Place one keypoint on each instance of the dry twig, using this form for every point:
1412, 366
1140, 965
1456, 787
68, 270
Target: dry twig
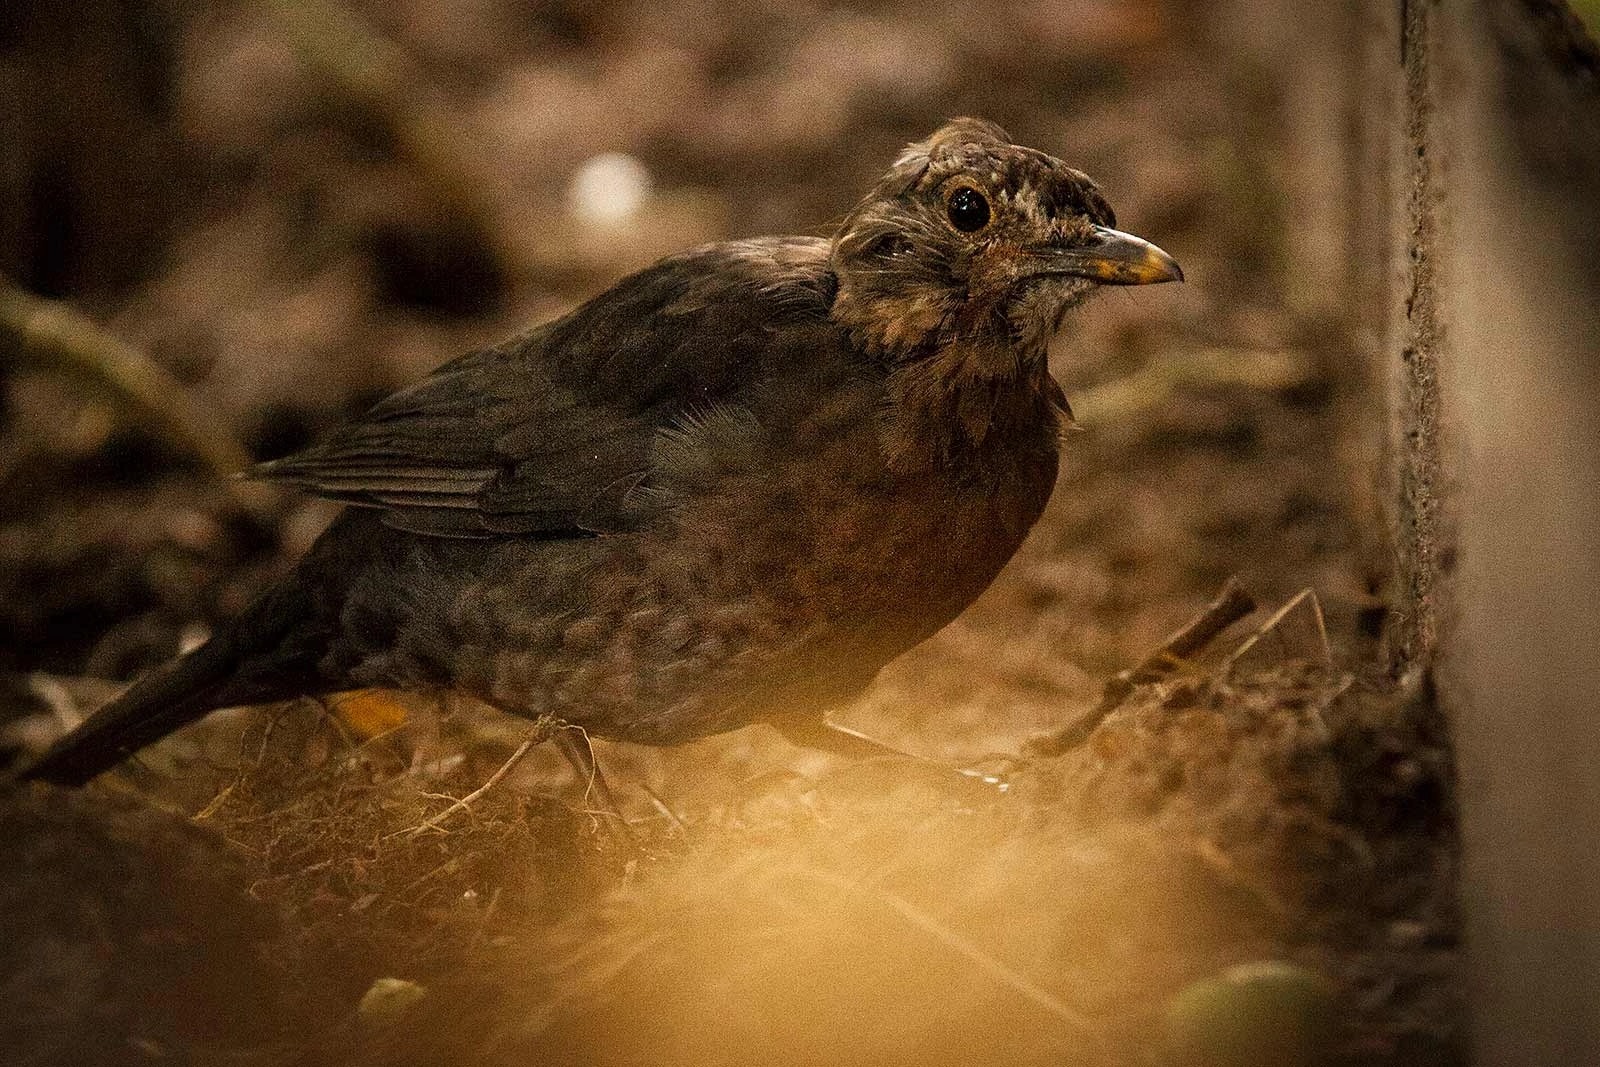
1232, 603
1313, 605
997, 970
433, 823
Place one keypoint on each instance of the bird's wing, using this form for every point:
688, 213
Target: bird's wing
549, 433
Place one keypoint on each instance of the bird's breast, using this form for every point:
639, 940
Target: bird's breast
787, 563
828, 531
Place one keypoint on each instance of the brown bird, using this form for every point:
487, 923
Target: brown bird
728, 489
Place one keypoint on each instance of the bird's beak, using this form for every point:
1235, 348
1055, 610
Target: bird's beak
1110, 257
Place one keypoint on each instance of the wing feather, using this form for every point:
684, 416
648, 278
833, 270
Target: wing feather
551, 432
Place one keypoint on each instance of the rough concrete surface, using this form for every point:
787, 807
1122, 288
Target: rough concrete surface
1518, 109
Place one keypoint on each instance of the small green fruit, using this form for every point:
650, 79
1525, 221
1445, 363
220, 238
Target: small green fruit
387, 999
1263, 1014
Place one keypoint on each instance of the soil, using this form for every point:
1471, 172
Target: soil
232, 895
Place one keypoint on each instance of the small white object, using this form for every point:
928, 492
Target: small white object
192, 636
608, 189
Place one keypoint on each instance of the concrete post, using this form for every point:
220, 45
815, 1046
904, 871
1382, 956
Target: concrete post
1502, 398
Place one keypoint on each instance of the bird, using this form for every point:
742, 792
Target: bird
726, 490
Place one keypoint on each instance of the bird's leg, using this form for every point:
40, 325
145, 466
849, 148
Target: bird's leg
824, 735
830, 737
573, 743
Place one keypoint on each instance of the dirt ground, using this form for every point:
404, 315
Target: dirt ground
1251, 859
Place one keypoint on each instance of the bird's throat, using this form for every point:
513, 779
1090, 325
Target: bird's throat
965, 402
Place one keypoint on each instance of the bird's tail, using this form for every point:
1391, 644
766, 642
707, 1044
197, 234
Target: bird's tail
228, 670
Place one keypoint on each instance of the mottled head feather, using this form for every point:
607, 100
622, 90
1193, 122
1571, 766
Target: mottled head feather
910, 280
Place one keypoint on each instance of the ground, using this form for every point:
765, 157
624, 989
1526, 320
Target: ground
1291, 807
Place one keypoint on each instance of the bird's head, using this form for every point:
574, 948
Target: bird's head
971, 236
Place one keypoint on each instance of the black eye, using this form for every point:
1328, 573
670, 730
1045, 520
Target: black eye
968, 210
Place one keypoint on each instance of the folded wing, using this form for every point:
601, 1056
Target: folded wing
552, 432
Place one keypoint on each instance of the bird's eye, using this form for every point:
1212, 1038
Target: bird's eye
968, 210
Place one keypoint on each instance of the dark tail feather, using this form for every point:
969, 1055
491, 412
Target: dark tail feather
228, 670
153, 707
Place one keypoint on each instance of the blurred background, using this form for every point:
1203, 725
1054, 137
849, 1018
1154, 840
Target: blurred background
226, 226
